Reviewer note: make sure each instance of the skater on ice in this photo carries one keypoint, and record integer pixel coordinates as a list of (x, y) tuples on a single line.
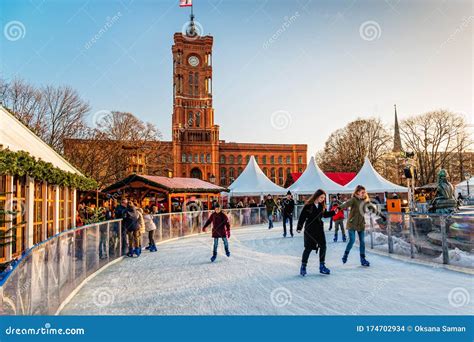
[(271, 208), (131, 222), (150, 227), (314, 238), (220, 230), (338, 220), (287, 208), (356, 222)]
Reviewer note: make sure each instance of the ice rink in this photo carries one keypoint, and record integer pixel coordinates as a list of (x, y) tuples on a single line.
[(262, 278)]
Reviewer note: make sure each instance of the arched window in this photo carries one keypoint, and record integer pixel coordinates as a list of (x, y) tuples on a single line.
[(239, 159), (208, 157), (272, 160), (183, 158), (202, 158), (256, 159), (300, 160), (191, 82), (239, 171), (223, 176), (280, 160), (190, 158), (265, 171), (231, 174), (280, 176), (196, 84), (247, 159), (264, 160), (196, 158), (190, 119), (231, 159), (272, 175), (198, 119), (288, 171), (288, 159), (222, 159)]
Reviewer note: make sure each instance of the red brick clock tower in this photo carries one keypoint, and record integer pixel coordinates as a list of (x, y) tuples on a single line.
[(195, 136)]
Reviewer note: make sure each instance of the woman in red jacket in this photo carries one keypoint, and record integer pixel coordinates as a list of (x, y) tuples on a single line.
[(338, 220), (220, 230)]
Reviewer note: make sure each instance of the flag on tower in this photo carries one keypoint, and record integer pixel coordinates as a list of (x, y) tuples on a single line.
[(185, 3)]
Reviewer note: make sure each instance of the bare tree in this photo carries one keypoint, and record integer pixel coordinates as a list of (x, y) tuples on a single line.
[(436, 138), (65, 114), (346, 148)]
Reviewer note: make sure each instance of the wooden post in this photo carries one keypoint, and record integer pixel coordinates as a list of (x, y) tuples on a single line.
[(29, 210)]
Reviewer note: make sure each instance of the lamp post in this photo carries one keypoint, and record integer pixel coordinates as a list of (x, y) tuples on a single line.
[(467, 176)]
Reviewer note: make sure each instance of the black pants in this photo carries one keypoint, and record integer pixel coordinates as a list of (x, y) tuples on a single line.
[(290, 218), (151, 241), (307, 252)]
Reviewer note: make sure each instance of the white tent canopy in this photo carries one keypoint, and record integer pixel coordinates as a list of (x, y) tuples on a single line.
[(462, 187), (373, 181), (17, 137), (253, 182), (313, 179)]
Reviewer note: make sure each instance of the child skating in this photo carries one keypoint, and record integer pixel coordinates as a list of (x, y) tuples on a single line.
[(338, 220), (220, 230), (150, 227), (356, 222), (314, 237)]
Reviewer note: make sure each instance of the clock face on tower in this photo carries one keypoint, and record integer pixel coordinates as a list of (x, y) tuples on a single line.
[(193, 61)]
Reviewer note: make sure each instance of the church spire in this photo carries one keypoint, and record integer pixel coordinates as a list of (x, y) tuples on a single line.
[(397, 141)]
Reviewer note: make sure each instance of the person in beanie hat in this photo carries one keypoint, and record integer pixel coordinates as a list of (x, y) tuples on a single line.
[(288, 207), (271, 208), (220, 230)]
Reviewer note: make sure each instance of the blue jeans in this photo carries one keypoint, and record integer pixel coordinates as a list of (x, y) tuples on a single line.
[(270, 220), (216, 243), (352, 240)]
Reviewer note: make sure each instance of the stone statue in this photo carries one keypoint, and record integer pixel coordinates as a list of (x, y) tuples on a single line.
[(444, 201)]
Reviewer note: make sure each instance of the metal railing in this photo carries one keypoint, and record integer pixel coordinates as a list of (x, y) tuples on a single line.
[(49, 272)]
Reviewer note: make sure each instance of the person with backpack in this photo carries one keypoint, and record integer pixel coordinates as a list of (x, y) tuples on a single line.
[(220, 230)]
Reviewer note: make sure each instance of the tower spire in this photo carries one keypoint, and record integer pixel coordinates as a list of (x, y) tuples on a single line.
[(397, 141)]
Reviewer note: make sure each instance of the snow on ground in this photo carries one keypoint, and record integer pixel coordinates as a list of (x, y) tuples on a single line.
[(261, 278), (400, 246), (458, 257)]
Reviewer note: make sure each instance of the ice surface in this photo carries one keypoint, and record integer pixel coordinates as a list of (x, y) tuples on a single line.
[(261, 278)]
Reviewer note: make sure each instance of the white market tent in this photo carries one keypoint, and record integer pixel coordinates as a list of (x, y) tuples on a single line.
[(253, 182), (313, 179), (15, 136), (462, 187), (373, 181)]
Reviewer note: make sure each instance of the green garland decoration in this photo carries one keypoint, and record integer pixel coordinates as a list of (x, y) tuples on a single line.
[(21, 163)]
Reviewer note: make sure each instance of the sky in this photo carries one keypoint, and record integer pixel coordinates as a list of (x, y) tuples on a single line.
[(285, 71)]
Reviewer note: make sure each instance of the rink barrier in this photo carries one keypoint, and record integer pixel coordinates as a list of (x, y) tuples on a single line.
[(50, 271)]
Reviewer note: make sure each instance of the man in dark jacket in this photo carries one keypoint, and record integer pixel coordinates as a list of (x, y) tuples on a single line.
[(119, 214), (288, 207), (271, 208), (220, 230), (131, 223)]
